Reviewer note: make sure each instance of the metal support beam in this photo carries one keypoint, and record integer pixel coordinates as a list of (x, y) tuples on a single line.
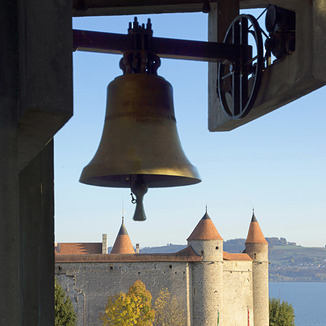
[(163, 47)]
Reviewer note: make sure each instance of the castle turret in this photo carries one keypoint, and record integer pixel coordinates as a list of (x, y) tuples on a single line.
[(122, 244), (257, 249), (207, 275)]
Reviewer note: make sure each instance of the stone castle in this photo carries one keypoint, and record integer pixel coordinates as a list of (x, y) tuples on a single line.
[(214, 287)]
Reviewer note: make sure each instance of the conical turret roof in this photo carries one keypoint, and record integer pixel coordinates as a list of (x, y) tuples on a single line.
[(205, 230), (255, 234), (122, 244)]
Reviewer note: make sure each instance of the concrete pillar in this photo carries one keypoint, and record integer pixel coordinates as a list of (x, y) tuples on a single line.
[(35, 102), (9, 191), (219, 19), (36, 208)]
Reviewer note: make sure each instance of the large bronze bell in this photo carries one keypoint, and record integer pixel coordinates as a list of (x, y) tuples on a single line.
[(140, 138), (140, 146)]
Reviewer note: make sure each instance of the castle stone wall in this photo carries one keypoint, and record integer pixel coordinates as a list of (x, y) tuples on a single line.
[(204, 289), (207, 286), (90, 284), (259, 253), (211, 250), (261, 293), (237, 294), (207, 289)]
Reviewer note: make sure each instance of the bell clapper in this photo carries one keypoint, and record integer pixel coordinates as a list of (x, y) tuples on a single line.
[(139, 189)]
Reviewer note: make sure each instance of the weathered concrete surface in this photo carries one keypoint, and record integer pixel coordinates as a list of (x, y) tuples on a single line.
[(36, 207), (35, 101), (9, 191), (288, 79), (45, 73), (132, 7)]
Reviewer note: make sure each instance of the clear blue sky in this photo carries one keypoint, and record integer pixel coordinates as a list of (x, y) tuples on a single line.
[(275, 164)]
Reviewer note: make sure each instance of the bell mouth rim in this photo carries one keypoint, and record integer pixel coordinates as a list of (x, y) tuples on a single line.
[(151, 180)]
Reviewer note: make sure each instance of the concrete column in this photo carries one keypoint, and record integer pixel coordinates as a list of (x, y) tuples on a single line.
[(9, 226), (219, 19), (9, 203), (36, 208), (35, 101)]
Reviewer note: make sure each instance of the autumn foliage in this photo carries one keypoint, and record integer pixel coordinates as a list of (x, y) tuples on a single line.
[(133, 308), (168, 311)]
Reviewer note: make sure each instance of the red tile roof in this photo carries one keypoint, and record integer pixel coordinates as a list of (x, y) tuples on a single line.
[(229, 256), (205, 230), (78, 248), (122, 244), (185, 255), (255, 234)]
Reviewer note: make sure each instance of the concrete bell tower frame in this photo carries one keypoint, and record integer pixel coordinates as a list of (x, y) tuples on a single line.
[(35, 102)]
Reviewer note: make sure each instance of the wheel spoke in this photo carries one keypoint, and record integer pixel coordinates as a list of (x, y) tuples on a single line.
[(230, 74)]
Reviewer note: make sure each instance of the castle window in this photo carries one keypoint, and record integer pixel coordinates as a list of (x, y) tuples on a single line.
[(60, 267), (216, 248), (255, 255), (111, 267), (170, 266), (202, 252)]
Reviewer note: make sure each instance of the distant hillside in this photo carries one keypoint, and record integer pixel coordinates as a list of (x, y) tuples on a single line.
[(288, 261), (234, 245)]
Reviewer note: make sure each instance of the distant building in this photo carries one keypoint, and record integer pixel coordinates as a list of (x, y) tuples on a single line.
[(211, 284)]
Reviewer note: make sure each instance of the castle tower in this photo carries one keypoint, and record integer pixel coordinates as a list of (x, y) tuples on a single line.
[(207, 275), (122, 244), (257, 249)]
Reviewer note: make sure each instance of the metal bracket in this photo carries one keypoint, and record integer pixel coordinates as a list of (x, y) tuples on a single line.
[(235, 52)]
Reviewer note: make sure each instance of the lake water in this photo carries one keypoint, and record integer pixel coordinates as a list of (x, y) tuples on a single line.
[(307, 298)]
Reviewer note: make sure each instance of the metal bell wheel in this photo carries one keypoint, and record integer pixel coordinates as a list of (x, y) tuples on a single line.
[(238, 83)]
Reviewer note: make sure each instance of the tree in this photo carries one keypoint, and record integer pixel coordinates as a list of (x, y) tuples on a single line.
[(280, 313), (64, 312), (168, 311), (133, 308)]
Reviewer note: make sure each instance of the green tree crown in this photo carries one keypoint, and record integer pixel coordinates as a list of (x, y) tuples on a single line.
[(280, 313), (64, 312)]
